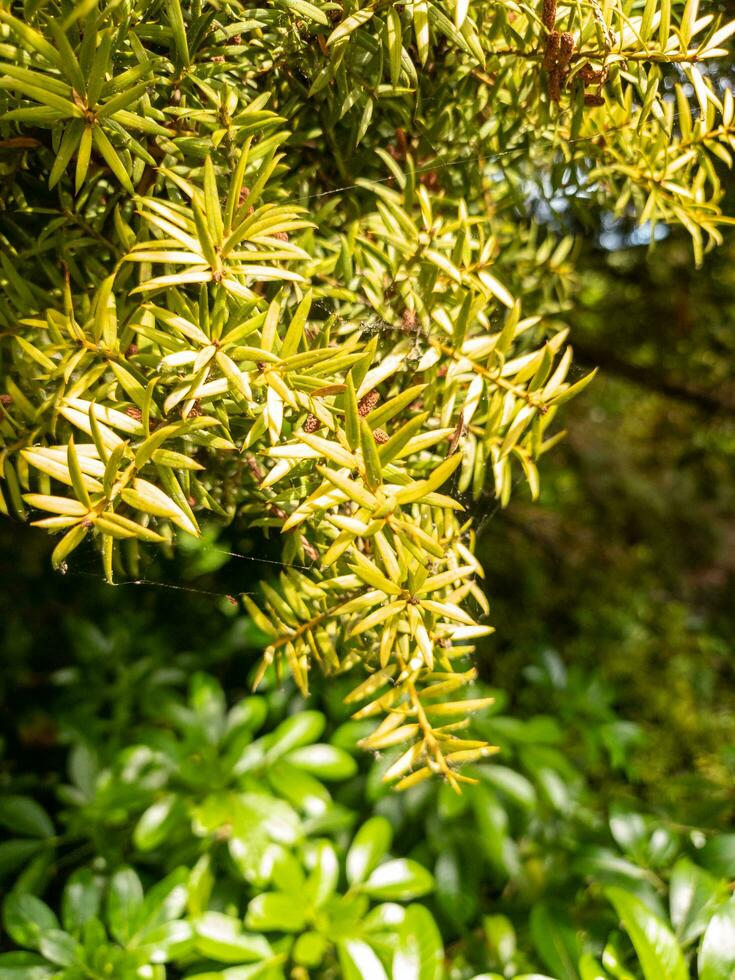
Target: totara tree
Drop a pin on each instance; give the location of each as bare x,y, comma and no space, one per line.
306,265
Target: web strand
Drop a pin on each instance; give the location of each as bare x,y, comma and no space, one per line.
475,158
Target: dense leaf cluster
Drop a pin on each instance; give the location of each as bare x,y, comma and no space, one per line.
253,868
205,317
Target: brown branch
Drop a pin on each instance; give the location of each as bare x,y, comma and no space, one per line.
492,378
659,57
646,377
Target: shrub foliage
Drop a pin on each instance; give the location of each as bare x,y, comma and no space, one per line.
307,263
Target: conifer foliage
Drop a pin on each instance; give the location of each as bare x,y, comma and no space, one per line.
306,264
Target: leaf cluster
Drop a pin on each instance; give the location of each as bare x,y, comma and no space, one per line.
215,326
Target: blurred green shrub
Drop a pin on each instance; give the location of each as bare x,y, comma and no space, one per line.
204,848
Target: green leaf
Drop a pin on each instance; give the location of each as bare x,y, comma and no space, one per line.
370,844
68,543
178,27
324,876
718,855
32,38
166,942
26,918
23,966
276,911
351,488
43,95
220,937
14,853
212,203
206,245
302,790
165,900
111,158
305,9
208,702
69,143
352,416
295,330
400,879
659,953
36,354
395,38
575,389
501,938
421,28
124,903
61,948
257,821
300,729
359,961
456,885
75,472
555,941
83,157
590,969
105,325
13,489
101,64
393,406
309,949
24,816
496,288
438,477
156,822
371,575
349,25
371,459
81,900
461,8
266,970
511,784
333,451
716,959
692,893
420,951
148,498
326,761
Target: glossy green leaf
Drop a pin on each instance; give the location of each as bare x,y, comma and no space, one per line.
716,958
400,879
60,948
25,816
659,953
325,761
81,900
369,845
124,903
555,941
26,918
273,910
420,951
221,938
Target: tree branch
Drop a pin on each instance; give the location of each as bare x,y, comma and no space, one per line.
646,377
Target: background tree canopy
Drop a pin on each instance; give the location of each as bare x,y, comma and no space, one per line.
288,299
